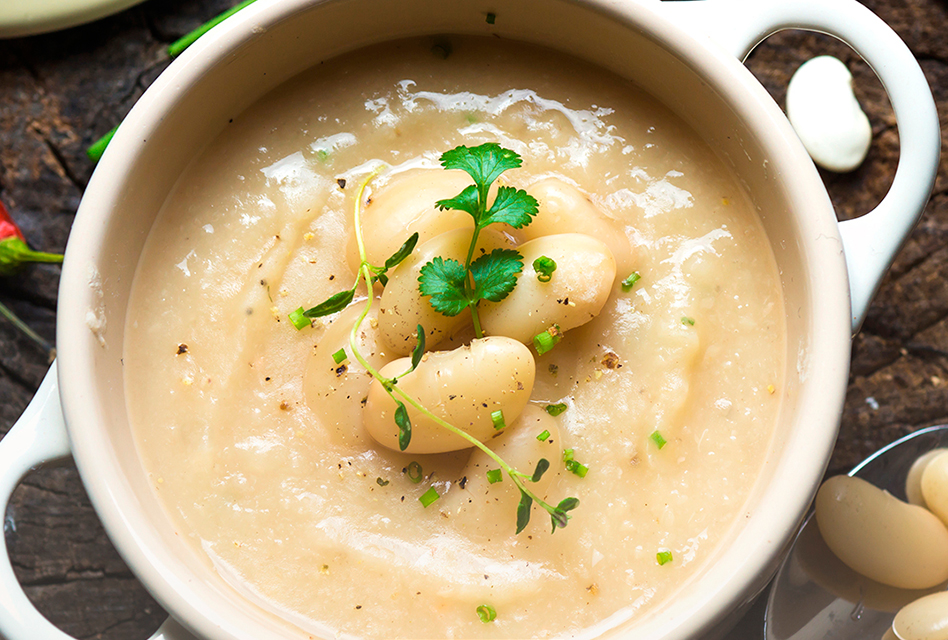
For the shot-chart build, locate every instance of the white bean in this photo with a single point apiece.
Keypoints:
(913, 481)
(934, 485)
(405, 205)
(924, 619)
(827, 117)
(335, 391)
(403, 307)
(881, 537)
(565, 209)
(576, 293)
(462, 387)
(824, 568)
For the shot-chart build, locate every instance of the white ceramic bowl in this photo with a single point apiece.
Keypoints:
(668, 49)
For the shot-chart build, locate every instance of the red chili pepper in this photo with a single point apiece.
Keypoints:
(14, 252)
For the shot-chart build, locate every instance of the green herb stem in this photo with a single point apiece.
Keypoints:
(177, 47)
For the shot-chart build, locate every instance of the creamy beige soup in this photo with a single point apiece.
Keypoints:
(254, 440)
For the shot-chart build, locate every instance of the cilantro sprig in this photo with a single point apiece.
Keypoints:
(452, 286)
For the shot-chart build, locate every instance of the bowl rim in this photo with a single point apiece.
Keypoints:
(736, 86)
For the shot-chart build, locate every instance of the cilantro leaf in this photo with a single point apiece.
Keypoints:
(516, 207)
(444, 281)
(335, 302)
(495, 274)
(483, 163)
(467, 201)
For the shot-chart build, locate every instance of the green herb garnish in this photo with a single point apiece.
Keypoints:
(486, 613)
(299, 320)
(658, 439)
(542, 465)
(663, 557)
(544, 267)
(494, 476)
(452, 286)
(573, 465)
(414, 472)
(497, 417)
(339, 356)
(546, 340)
(178, 46)
(556, 409)
(543, 435)
(688, 321)
(428, 497)
(630, 281)
(490, 277)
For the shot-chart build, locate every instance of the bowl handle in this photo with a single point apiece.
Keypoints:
(39, 437)
(871, 241)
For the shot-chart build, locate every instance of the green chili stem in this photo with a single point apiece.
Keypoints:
(25, 328)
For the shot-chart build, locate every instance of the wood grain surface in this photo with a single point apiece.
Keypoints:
(60, 92)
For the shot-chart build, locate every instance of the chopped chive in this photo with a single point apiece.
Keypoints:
(556, 409)
(486, 613)
(575, 467)
(339, 356)
(543, 436)
(688, 321)
(300, 321)
(494, 476)
(663, 557)
(572, 465)
(97, 148)
(546, 340)
(178, 46)
(381, 481)
(544, 267)
(497, 417)
(428, 497)
(658, 439)
(629, 282)
(491, 18)
(414, 472)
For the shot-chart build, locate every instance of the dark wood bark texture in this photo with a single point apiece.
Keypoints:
(60, 92)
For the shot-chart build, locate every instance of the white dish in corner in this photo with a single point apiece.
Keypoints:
(30, 17)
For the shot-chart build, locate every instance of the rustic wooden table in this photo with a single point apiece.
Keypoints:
(60, 92)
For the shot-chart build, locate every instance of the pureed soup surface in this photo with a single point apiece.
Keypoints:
(253, 438)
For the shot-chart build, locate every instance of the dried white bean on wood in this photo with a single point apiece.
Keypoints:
(826, 115)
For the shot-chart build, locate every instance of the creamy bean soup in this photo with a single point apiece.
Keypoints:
(268, 452)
